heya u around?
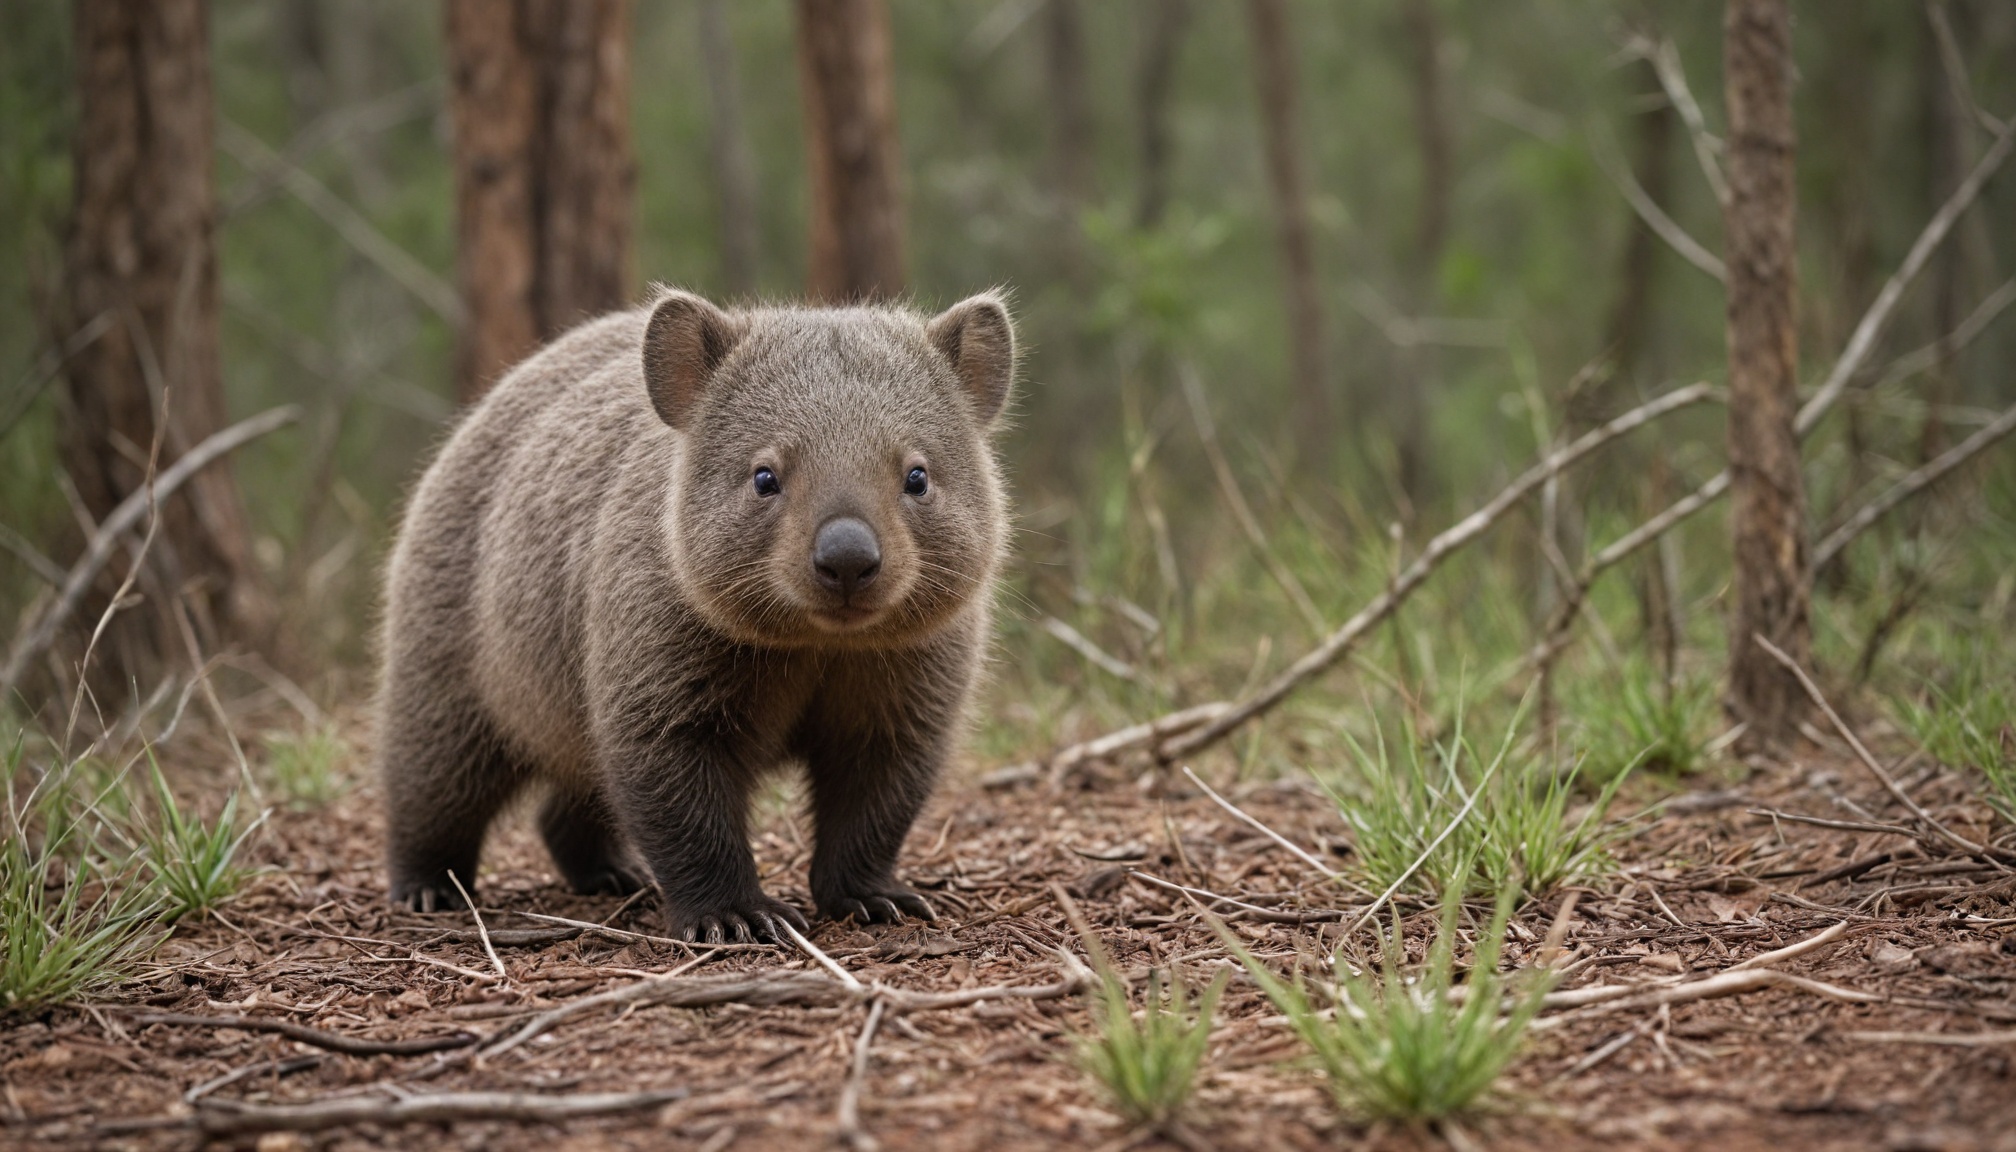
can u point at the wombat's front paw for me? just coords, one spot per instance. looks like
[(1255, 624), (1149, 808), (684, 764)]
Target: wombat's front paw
[(876, 903), (614, 880), (429, 894), (744, 920)]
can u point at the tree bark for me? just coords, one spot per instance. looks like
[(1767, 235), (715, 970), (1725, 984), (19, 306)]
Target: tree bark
[(1166, 21), (1771, 581), (1432, 125), (853, 162), (1632, 309), (728, 149), (141, 249), (1070, 105), (1274, 67), (544, 175)]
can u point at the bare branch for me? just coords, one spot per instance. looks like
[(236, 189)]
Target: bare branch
[(1327, 871), (1664, 56), (1863, 341), (1913, 483), (333, 1041), (1078, 642), (1956, 67), (1982, 851), (215, 1117), (483, 932), (372, 244), (1235, 498), (1439, 549), (34, 639), (1655, 218)]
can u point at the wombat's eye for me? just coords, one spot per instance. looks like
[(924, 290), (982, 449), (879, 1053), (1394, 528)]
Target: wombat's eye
[(916, 483), (766, 482)]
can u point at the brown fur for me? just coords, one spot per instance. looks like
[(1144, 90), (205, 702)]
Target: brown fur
[(589, 592)]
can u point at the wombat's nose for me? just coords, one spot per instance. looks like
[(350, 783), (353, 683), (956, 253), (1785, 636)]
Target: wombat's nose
[(846, 555)]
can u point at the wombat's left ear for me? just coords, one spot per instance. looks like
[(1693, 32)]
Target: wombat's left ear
[(685, 342), (979, 339)]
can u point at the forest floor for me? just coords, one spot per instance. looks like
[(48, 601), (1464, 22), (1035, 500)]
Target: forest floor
[(1930, 939)]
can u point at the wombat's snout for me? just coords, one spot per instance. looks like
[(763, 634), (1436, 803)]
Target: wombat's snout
[(846, 555)]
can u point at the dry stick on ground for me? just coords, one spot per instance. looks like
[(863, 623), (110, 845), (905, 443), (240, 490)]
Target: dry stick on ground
[(215, 1117), (1415, 574), (1860, 344), (333, 1041), (1913, 483), (1950, 1039), (503, 977), (1235, 498), (848, 1117), (590, 928), (1992, 855), (1246, 911), (1630, 997), (37, 637), (1283, 841)]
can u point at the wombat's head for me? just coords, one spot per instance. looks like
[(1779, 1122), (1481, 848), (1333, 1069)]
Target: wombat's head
[(837, 482)]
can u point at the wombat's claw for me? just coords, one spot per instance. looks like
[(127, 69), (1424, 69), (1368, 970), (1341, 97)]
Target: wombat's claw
[(881, 906), (421, 896), (759, 921)]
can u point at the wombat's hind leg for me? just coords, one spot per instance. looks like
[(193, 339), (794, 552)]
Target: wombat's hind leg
[(442, 791), (581, 834)]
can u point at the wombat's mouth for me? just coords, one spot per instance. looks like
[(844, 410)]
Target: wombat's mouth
[(845, 617)]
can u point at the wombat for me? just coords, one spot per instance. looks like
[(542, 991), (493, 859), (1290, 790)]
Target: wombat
[(677, 548)]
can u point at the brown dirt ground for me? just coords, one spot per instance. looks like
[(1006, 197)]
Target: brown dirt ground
[(1703, 887)]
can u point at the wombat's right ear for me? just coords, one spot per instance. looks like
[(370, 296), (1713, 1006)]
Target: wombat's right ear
[(685, 342)]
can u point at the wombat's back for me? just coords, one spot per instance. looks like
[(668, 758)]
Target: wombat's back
[(485, 588)]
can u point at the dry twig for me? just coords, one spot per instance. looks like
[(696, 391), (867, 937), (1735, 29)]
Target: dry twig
[(849, 1112), (503, 977), (333, 1041), (1981, 851), (38, 636), (1910, 485)]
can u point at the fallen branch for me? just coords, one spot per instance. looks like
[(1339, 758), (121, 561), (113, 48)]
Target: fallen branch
[(768, 988), (1245, 911), (849, 1112), (98, 551), (1993, 856), (214, 1117), (1950, 1039), (316, 1037), (1060, 763), (1735, 982), (1913, 483), (1404, 585)]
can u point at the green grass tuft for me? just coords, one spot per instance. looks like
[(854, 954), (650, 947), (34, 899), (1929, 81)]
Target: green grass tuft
[(1403, 1048), (72, 917), (1147, 1063), (1971, 725), (194, 864)]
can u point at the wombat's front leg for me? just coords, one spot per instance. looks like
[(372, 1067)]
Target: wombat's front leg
[(685, 805), (867, 789)]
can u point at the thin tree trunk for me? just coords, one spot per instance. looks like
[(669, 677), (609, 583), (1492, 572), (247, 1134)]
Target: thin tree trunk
[(1771, 581), (1070, 105), (1274, 66), (1166, 21), (544, 175), (141, 249), (728, 149), (1432, 125), (1631, 311), (853, 162)]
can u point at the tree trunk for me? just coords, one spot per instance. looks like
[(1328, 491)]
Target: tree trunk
[(728, 153), (1167, 21), (1628, 315), (1070, 106), (1771, 585), (141, 249), (1274, 66), (1432, 125), (853, 164), (544, 177)]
